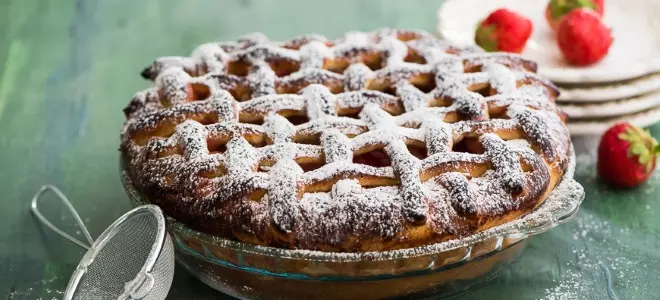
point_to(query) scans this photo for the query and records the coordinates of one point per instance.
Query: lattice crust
(379, 140)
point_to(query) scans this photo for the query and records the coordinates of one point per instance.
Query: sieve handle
(35, 210)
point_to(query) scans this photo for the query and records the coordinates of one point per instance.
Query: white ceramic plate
(609, 92)
(611, 108)
(598, 126)
(635, 26)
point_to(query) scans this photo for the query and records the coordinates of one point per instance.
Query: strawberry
(583, 38)
(557, 9)
(503, 30)
(626, 155)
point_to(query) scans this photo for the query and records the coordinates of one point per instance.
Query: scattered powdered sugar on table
(603, 266)
(607, 264)
(46, 289)
(572, 288)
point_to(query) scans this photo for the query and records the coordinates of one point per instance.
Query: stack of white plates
(624, 86)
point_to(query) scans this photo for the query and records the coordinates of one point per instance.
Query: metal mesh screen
(123, 256)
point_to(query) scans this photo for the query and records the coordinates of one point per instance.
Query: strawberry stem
(485, 37)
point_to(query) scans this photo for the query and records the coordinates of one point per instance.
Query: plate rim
(616, 108)
(645, 118)
(616, 91)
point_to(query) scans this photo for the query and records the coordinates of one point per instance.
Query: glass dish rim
(549, 219)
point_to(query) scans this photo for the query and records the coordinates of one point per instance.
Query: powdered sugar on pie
(379, 140)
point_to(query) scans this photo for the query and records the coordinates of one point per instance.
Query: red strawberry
(557, 9)
(503, 30)
(583, 38)
(626, 155)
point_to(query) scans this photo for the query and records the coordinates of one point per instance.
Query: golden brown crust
(303, 146)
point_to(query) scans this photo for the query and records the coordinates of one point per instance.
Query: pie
(375, 141)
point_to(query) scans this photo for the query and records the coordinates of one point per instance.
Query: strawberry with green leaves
(503, 30)
(626, 155)
(557, 9)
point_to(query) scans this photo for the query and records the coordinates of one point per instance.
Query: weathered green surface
(67, 69)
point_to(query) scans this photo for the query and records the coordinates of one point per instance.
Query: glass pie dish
(440, 270)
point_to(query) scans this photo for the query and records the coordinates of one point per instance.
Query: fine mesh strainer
(132, 259)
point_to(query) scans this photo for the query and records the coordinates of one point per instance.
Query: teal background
(67, 68)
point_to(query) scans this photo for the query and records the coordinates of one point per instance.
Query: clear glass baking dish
(438, 270)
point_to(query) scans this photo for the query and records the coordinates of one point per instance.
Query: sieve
(132, 259)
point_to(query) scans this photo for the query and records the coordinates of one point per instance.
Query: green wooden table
(67, 68)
